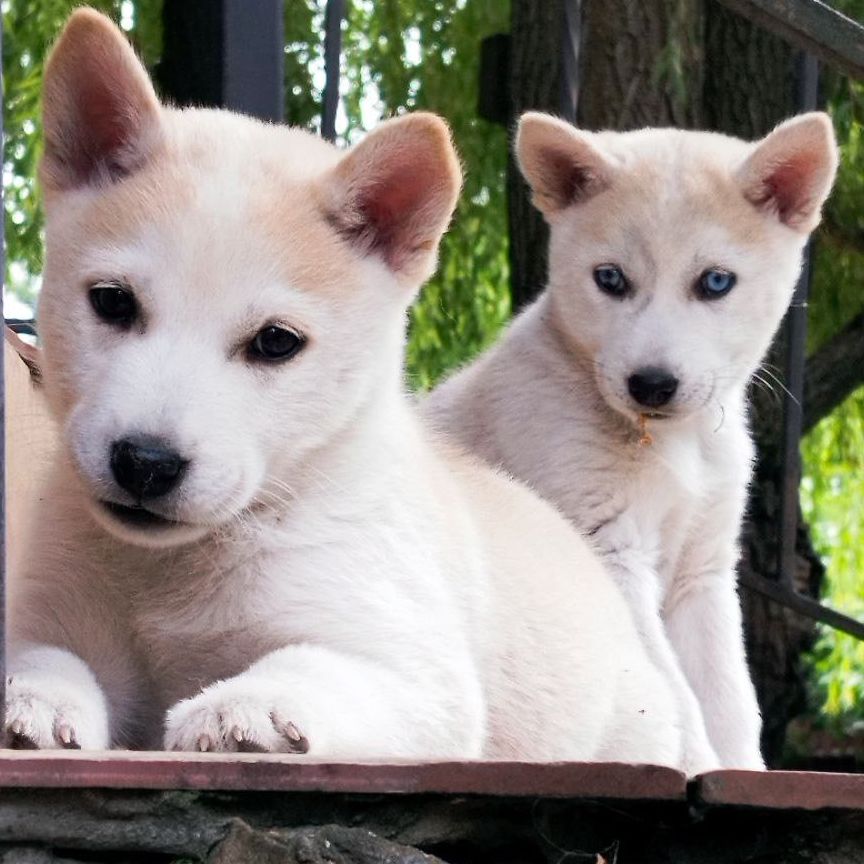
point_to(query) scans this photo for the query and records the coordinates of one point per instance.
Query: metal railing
(822, 33)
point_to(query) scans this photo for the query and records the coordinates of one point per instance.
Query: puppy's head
(221, 298)
(673, 255)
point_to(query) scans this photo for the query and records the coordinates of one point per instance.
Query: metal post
(254, 51)
(224, 54)
(571, 37)
(796, 346)
(332, 66)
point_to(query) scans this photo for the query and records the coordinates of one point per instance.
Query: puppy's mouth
(137, 516)
(657, 415)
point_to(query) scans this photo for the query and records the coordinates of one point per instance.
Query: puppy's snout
(146, 467)
(652, 386)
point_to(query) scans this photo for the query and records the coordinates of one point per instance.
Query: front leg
(54, 701)
(309, 698)
(704, 624)
(640, 586)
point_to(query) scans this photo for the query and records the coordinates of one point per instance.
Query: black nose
(146, 468)
(652, 386)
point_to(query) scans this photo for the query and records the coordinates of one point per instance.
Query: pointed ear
(100, 113)
(562, 164)
(791, 171)
(393, 194)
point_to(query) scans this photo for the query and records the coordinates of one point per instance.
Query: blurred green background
(406, 54)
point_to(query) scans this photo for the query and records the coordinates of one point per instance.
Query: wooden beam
(811, 25)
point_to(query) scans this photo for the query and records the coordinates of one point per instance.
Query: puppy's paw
(45, 713)
(234, 716)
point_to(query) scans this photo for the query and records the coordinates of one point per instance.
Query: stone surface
(328, 844)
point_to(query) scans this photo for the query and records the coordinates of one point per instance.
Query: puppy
(248, 540)
(620, 395)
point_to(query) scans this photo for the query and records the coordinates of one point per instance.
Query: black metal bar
(22, 325)
(254, 68)
(804, 605)
(190, 70)
(796, 348)
(571, 35)
(333, 17)
(2, 465)
(812, 26)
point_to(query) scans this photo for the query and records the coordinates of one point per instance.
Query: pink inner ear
(566, 179)
(394, 212)
(105, 136)
(787, 189)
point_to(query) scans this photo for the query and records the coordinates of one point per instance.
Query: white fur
(550, 402)
(337, 568)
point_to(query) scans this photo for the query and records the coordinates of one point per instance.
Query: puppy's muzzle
(145, 467)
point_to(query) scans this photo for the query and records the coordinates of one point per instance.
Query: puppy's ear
(792, 169)
(562, 164)
(100, 113)
(393, 194)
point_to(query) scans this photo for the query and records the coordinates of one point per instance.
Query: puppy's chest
(648, 499)
(194, 626)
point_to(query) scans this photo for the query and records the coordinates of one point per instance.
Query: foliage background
(407, 54)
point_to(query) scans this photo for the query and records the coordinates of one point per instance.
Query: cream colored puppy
(248, 540)
(620, 395)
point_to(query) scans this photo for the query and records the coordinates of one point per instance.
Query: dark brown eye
(275, 343)
(611, 280)
(114, 303)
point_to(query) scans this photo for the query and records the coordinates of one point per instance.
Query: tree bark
(535, 84)
(750, 85)
(834, 372)
(641, 64)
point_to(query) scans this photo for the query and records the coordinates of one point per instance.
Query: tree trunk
(750, 85)
(535, 82)
(641, 64)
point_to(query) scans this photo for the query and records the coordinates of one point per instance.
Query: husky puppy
(248, 539)
(620, 395)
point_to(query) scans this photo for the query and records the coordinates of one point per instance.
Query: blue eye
(610, 280)
(715, 283)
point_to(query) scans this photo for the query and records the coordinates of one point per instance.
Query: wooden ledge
(260, 772)
(255, 772)
(780, 790)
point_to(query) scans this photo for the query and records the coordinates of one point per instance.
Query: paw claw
(237, 734)
(297, 740)
(203, 743)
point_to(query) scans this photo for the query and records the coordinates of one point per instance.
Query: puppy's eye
(715, 283)
(611, 280)
(275, 343)
(114, 302)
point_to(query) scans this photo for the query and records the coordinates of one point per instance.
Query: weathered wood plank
(781, 790)
(812, 26)
(270, 772)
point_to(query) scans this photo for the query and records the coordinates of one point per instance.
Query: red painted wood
(253, 771)
(800, 790)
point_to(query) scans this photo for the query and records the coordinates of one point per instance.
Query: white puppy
(248, 540)
(620, 395)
